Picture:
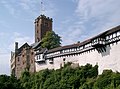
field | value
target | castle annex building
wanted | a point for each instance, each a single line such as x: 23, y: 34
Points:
x: 103, y: 50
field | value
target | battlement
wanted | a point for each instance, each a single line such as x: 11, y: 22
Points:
x: 43, y: 17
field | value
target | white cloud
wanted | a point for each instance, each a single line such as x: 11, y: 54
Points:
x: 105, y: 13
x: 50, y: 9
x: 2, y: 34
x: 5, y: 64
x: 17, y: 37
x: 73, y: 32
x: 96, y: 16
x: 29, y: 5
x: 90, y: 18
x: 5, y: 50
x: 4, y: 56
x: 32, y: 8
x: 8, y: 6
x: 25, y: 5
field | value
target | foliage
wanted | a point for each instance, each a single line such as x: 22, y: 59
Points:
x: 25, y: 80
x: 84, y: 77
x: 64, y: 78
x: 7, y: 82
x: 51, y: 40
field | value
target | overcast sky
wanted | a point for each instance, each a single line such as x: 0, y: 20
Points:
x: 73, y: 20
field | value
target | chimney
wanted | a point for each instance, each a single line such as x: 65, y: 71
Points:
x: 16, y: 46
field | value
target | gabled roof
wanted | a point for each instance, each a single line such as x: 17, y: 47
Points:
x: 21, y: 48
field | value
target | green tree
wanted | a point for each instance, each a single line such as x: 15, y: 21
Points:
x: 51, y: 40
x: 84, y: 77
x: 9, y: 82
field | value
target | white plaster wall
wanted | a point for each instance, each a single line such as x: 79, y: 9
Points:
x: 44, y: 66
x: 105, y: 60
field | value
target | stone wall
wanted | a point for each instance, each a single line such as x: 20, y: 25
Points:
x: 25, y: 61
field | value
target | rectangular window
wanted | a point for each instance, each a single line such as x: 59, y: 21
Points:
x: 114, y: 35
x: 118, y: 33
x: 39, y: 56
x: 78, y: 49
x: 51, y: 61
x: 107, y: 37
x: 18, y: 59
x: 111, y: 36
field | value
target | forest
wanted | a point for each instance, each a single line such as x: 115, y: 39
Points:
x: 67, y: 77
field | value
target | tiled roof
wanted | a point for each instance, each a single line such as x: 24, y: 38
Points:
x: 115, y: 29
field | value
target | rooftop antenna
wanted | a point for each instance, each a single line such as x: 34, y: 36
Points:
x: 42, y: 7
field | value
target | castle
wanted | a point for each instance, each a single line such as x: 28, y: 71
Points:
x: 103, y: 50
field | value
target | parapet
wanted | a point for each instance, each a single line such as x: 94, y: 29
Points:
x: 43, y: 17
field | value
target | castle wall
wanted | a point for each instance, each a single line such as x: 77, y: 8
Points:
x: 109, y: 59
x: 42, y: 66
x: 19, y: 68
x: 32, y: 61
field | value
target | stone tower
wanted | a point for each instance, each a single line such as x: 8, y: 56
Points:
x: 43, y: 24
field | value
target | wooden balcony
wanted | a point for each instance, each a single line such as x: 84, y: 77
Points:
x: 98, y: 42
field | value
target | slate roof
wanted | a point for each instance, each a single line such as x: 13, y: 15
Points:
x: 41, y: 51
x: 35, y: 45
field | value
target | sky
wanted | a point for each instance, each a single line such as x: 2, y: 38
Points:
x: 73, y: 20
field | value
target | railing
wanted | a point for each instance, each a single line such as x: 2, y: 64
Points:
x: 115, y: 39
x: 69, y: 53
